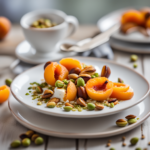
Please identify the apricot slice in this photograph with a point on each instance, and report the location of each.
(120, 87)
(98, 90)
(4, 93)
(71, 91)
(54, 72)
(70, 63)
(133, 16)
(4, 27)
(122, 91)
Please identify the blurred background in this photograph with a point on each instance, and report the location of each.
(87, 11)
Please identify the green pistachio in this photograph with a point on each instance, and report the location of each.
(96, 74)
(27, 94)
(121, 123)
(39, 103)
(39, 141)
(26, 142)
(34, 136)
(51, 104)
(29, 133)
(134, 140)
(80, 82)
(131, 121)
(112, 148)
(39, 89)
(112, 105)
(15, 144)
(120, 80)
(93, 76)
(8, 82)
(91, 106)
(72, 80)
(59, 84)
(135, 65)
(67, 108)
(138, 148)
(66, 81)
(134, 57)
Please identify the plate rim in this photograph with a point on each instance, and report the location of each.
(77, 135)
(124, 49)
(84, 116)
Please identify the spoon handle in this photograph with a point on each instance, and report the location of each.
(96, 41)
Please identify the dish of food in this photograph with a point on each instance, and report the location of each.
(75, 89)
(134, 24)
(75, 127)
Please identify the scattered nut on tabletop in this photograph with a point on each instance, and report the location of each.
(26, 142)
(15, 144)
(8, 82)
(39, 141)
(134, 57)
(134, 140)
(34, 136)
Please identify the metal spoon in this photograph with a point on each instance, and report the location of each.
(89, 44)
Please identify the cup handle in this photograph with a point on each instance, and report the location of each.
(74, 24)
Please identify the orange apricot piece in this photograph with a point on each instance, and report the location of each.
(99, 88)
(123, 95)
(120, 87)
(54, 72)
(4, 93)
(4, 27)
(70, 63)
(61, 72)
(71, 91)
(133, 16)
(122, 91)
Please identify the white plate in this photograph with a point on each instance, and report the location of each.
(113, 18)
(135, 80)
(77, 128)
(129, 47)
(26, 53)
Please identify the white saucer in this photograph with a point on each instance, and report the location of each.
(77, 128)
(129, 47)
(26, 53)
(21, 83)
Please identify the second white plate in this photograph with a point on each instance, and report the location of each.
(135, 80)
(77, 128)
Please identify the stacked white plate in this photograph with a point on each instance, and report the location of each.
(133, 42)
(85, 124)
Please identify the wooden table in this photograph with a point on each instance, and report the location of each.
(11, 129)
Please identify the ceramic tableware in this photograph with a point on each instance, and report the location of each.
(21, 83)
(77, 128)
(44, 40)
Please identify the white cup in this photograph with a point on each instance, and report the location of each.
(44, 40)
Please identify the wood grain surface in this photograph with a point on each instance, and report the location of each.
(8, 124)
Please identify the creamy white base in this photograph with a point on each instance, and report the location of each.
(59, 93)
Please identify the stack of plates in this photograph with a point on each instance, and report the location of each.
(85, 124)
(134, 42)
